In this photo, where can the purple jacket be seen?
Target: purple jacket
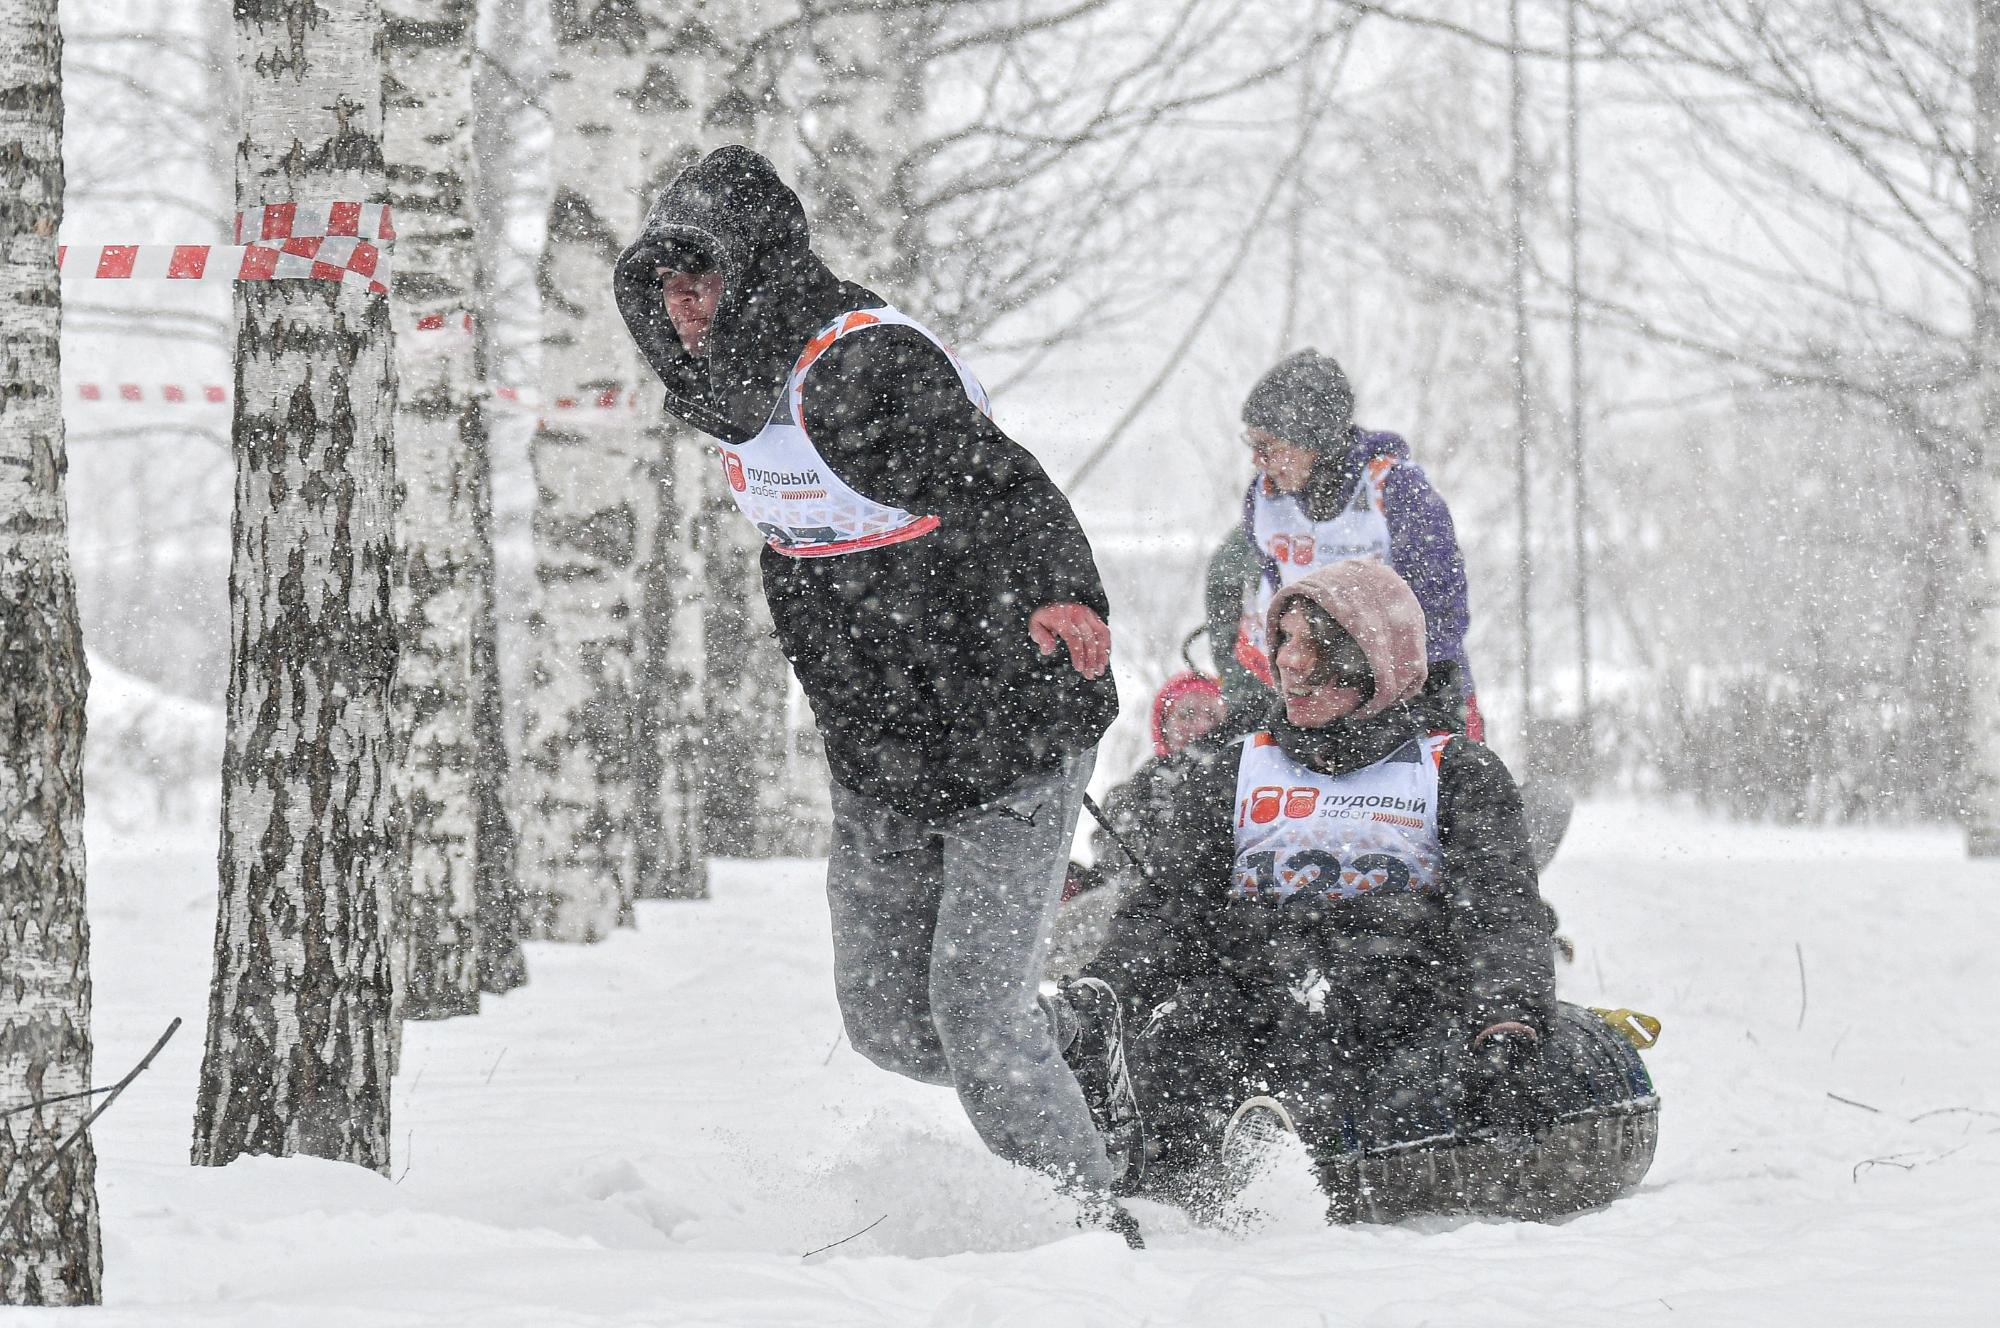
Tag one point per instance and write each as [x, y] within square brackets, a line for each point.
[1423, 543]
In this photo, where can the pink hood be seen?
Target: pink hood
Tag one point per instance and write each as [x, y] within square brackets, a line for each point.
[1378, 609]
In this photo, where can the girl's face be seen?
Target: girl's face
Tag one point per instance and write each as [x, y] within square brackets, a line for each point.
[1313, 701]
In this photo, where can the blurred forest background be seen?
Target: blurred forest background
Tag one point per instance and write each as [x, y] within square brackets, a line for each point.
[1122, 211]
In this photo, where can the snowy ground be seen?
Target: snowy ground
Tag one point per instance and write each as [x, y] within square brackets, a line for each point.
[658, 1128]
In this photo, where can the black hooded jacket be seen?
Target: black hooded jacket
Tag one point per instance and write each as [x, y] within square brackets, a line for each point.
[927, 688]
[1398, 965]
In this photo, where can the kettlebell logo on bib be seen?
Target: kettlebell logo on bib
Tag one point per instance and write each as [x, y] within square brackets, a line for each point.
[732, 466]
[1294, 549]
[1264, 805]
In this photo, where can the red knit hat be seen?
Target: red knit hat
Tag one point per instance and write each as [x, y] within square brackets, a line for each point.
[1172, 690]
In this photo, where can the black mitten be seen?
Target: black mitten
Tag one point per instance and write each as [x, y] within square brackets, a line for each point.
[1509, 1089]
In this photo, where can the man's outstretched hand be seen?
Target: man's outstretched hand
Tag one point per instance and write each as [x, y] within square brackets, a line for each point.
[1088, 639]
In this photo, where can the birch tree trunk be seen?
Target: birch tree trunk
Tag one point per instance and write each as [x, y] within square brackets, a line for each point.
[1523, 360]
[299, 1026]
[50, 1253]
[440, 444]
[592, 514]
[672, 838]
[743, 752]
[498, 150]
[671, 798]
[866, 73]
[502, 966]
[1983, 591]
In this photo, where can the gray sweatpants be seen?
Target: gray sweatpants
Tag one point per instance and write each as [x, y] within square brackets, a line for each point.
[939, 934]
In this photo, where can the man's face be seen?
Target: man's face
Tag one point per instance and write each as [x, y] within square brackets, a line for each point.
[1286, 466]
[691, 302]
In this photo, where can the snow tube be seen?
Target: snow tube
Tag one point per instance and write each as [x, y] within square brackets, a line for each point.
[1599, 1150]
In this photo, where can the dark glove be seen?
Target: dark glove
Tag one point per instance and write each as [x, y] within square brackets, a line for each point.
[1509, 1089]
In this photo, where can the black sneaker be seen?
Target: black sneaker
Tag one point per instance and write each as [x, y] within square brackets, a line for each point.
[1101, 1212]
[1096, 1055]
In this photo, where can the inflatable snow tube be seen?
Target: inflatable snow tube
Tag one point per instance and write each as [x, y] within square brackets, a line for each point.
[1600, 1149]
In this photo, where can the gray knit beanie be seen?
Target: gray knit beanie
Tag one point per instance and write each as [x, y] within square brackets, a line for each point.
[1306, 401]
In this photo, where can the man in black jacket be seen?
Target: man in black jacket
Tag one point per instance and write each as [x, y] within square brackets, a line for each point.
[925, 577]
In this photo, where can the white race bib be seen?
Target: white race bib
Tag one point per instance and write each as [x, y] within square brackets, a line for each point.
[1289, 539]
[1300, 832]
[789, 492]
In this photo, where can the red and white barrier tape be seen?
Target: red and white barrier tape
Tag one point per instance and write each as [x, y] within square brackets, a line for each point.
[175, 394]
[439, 335]
[287, 242]
[610, 398]
[312, 258]
[458, 322]
[172, 394]
[288, 221]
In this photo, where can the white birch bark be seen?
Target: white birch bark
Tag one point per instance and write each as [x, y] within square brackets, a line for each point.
[1983, 593]
[592, 514]
[502, 965]
[51, 1253]
[858, 81]
[440, 446]
[744, 775]
[502, 129]
[672, 839]
[671, 803]
[299, 1028]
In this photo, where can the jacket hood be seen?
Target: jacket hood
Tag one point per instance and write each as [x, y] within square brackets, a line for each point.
[1378, 609]
[732, 208]
[1366, 445]
[1330, 487]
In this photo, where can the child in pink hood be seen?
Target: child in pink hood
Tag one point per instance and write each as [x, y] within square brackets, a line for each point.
[1342, 934]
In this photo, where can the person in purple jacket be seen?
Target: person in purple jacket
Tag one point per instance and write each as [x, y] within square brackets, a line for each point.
[1326, 491]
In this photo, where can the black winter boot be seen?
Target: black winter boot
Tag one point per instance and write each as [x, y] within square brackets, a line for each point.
[1095, 1053]
[1101, 1212]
